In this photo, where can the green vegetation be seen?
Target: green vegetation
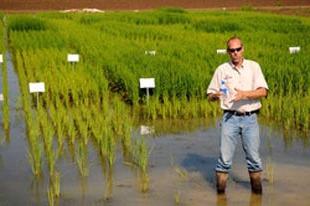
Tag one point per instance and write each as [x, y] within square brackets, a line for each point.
[96, 100]
[4, 79]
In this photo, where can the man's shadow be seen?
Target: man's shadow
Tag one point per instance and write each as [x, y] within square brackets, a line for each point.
[204, 165]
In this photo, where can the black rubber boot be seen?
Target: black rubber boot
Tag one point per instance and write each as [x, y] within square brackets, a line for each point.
[256, 184]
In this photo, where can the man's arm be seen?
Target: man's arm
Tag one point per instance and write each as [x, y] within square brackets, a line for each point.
[254, 94]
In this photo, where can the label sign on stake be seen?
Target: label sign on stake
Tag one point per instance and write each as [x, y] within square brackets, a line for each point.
[73, 58]
[36, 87]
[151, 52]
[1, 97]
[221, 51]
[294, 50]
[147, 83]
[1, 58]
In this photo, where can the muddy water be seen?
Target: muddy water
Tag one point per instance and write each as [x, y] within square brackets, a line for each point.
[183, 155]
[181, 171]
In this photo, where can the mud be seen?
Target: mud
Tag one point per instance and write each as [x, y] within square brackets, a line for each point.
[31, 5]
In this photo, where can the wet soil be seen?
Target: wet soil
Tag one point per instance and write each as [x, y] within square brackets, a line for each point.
[29, 5]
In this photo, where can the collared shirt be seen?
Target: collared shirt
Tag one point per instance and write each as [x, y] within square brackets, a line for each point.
[248, 77]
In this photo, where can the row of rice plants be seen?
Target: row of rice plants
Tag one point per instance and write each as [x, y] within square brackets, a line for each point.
[186, 57]
[4, 74]
[76, 107]
[113, 59]
[186, 51]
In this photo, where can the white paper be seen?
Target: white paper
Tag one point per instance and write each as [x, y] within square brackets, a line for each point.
[295, 49]
[221, 51]
[36, 87]
[1, 58]
[73, 58]
[1, 97]
[147, 83]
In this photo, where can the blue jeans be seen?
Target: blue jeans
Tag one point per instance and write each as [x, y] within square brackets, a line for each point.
[234, 127]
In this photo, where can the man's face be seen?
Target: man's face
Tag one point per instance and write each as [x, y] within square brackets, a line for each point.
[235, 51]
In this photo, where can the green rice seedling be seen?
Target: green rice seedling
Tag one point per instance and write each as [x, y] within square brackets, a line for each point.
[47, 132]
[72, 133]
[53, 191]
[177, 198]
[82, 123]
[140, 159]
[109, 184]
[50, 196]
[3, 66]
[126, 139]
[55, 179]
[82, 159]
[110, 149]
[107, 171]
[35, 151]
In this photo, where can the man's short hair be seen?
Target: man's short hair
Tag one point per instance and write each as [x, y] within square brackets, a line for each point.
[234, 38]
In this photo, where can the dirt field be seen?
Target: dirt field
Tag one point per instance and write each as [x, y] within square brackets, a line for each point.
[33, 5]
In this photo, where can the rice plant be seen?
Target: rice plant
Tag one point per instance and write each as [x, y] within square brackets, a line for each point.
[96, 100]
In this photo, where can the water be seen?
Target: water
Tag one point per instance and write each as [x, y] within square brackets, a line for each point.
[182, 159]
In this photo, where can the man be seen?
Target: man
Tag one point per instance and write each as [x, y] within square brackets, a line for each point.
[245, 85]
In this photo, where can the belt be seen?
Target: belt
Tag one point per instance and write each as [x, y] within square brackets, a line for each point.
[237, 113]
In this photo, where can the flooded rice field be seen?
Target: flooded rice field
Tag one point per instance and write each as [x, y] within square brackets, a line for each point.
[181, 167]
[182, 159]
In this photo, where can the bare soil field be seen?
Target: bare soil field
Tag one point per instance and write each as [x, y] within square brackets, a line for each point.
[37, 5]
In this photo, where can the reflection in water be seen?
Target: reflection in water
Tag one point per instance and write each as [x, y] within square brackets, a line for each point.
[37, 186]
[53, 191]
[145, 130]
[107, 171]
[7, 136]
[177, 125]
[255, 200]
[221, 200]
[84, 189]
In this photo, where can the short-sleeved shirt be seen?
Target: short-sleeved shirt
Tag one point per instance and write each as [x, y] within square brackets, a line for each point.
[248, 77]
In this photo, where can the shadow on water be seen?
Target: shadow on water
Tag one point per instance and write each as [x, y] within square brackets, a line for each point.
[204, 165]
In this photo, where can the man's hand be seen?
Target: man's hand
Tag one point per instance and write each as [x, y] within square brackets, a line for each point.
[214, 96]
[255, 94]
[239, 95]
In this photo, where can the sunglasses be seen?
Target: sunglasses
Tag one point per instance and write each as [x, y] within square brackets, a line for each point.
[234, 49]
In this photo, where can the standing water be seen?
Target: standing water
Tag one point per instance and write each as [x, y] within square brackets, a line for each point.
[183, 155]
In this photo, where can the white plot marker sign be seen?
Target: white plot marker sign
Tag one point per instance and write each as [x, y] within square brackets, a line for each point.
[73, 58]
[146, 83]
[1, 98]
[1, 58]
[36, 87]
[294, 49]
[221, 51]
[151, 52]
